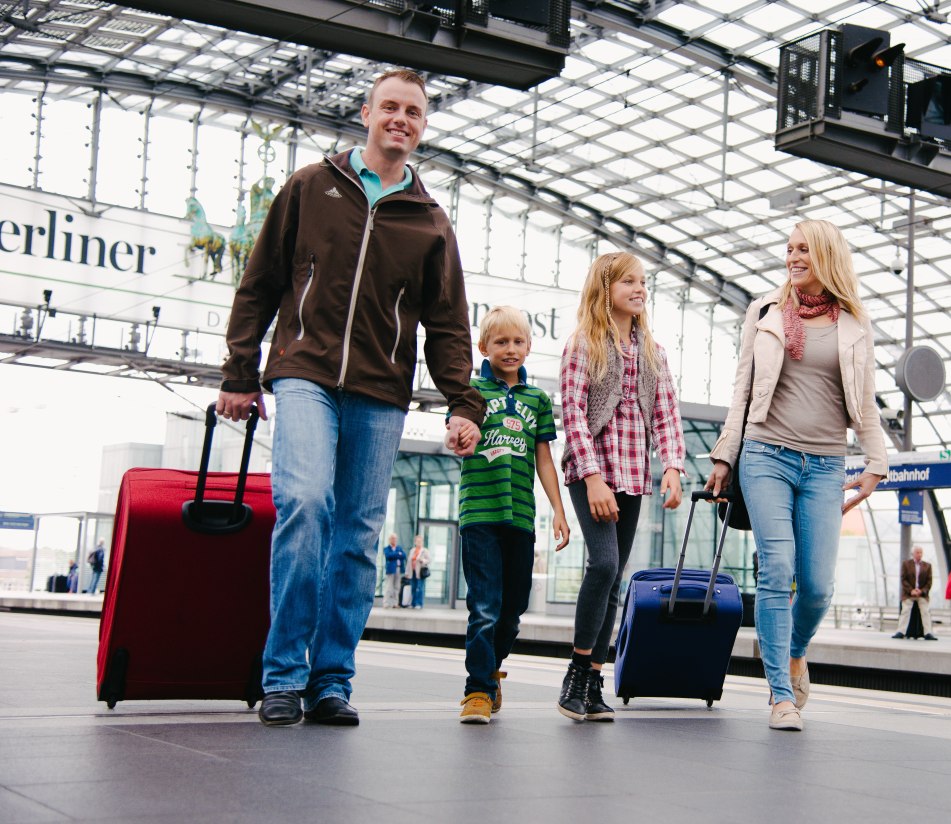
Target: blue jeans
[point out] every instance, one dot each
(497, 560)
(419, 591)
(795, 505)
(93, 582)
(333, 457)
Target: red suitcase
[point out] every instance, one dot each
(186, 607)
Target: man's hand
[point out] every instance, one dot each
(671, 481)
(463, 436)
(865, 483)
(237, 405)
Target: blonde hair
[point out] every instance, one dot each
(832, 265)
(503, 317)
(595, 322)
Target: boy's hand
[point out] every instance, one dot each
(671, 482)
(559, 526)
(463, 436)
(601, 500)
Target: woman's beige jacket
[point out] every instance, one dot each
(765, 340)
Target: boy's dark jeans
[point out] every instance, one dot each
(497, 560)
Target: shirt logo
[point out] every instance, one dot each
(513, 424)
(332, 192)
(496, 442)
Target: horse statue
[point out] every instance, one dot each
(240, 245)
(204, 237)
(262, 195)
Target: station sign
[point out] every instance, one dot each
(911, 470)
(17, 520)
(117, 263)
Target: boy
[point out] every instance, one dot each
(497, 506)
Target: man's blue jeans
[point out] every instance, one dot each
(497, 560)
(93, 582)
(333, 457)
(795, 505)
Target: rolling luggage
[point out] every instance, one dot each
(186, 607)
(57, 583)
(678, 628)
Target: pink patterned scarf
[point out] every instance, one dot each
(810, 306)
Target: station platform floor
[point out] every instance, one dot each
(863, 756)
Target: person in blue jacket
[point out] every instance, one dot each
(395, 567)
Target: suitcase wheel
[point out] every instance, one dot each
(709, 703)
(111, 704)
(626, 699)
(251, 704)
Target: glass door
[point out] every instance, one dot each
(441, 539)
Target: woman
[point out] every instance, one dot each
(618, 402)
(418, 571)
(808, 369)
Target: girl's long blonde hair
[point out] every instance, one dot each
(595, 323)
(832, 265)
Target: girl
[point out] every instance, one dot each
(617, 399)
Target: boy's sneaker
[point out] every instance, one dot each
(574, 690)
(594, 707)
(497, 676)
(476, 708)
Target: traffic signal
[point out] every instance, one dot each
(929, 107)
(866, 56)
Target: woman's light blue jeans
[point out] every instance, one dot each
(333, 456)
(795, 505)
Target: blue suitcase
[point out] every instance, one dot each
(678, 628)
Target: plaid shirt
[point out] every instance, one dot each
(619, 452)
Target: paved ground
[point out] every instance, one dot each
(863, 757)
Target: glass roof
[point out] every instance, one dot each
(658, 133)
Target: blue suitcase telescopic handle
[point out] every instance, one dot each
(701, 495)
(220, 517)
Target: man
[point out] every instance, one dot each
(352, 256)
(393, 572)
(915, 586)
(96, 559)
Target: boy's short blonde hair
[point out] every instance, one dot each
(502, 317)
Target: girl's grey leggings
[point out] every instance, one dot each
(609, 546)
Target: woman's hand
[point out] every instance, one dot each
(671, 482)
(866, 483)
(719, 478)
(601, 500)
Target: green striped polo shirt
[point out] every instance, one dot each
(498, 481)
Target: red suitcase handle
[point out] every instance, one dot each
(220, 517)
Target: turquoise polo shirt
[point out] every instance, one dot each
(371, 180)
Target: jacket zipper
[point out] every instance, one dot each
(300, 306)
(399, 327)
(358, 275)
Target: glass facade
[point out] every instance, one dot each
(424, 499)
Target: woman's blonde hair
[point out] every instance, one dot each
(831, 264)
(595, 322)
